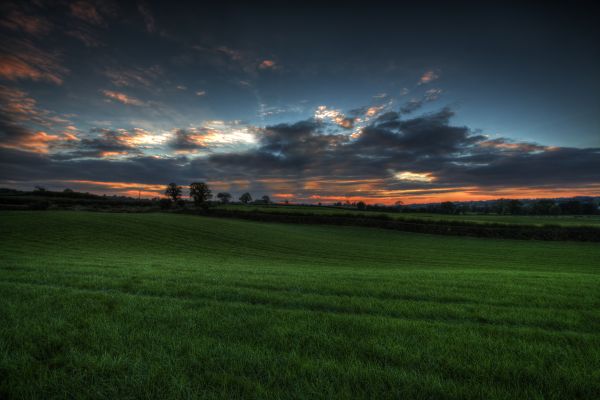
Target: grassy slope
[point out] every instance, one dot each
(155, 305)
(565, 220)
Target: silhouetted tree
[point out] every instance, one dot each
(554, 209)
(514, 207)
(173, 191)
(447, 207)
(246, 198)
(571, 207)
(266, 199)
(224, 197)
(542, 207)
(589, 208)
(200, 192)
(67, 190)
(164, 204)
(361, 205)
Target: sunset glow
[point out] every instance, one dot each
(95, 96)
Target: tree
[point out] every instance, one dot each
(266, 199)
(246, 198)
(164, 204)
(361, 205)
(542, 207)
(554, 209)
(173, 191)
(200, 192)
(447, 207)
(571, 207)
(224, 197)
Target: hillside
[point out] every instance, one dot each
(173, 306)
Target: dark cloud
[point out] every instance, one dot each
(556, 166)
(285, 148)
(307, 157)
(185, 140)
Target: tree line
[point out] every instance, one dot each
(201, 194)
(516, 207)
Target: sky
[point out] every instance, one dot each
(306, 102)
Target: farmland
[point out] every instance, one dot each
(174, 306)
(562, 220)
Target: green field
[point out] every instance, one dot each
(563, 220)
(106, 305)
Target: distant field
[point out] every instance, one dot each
(564, 220)
(106, 305)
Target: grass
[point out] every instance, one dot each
(563, 220)
(97, 305)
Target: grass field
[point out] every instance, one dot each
(563, 220)
(100, 305)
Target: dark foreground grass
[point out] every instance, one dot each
(171, 306)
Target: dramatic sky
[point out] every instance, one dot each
(419, 102)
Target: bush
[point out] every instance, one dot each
(458, 228)
(164, 204)
(39, 205)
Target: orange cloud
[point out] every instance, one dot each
(374, 110)
(37, 142)
(509, 146)
(122, 98)
(22, 60)
(267, 64)
(428, 76)
(13, 68)
(112, 154)
(414, 176)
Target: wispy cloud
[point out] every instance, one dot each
(21, 59)
(429, 76)
(31, 24)
(87, 12)
(134, 76)
(122, 98)
(148, 17)
(268, 64)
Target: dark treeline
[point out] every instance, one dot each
(586, 206)
(443, 227)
